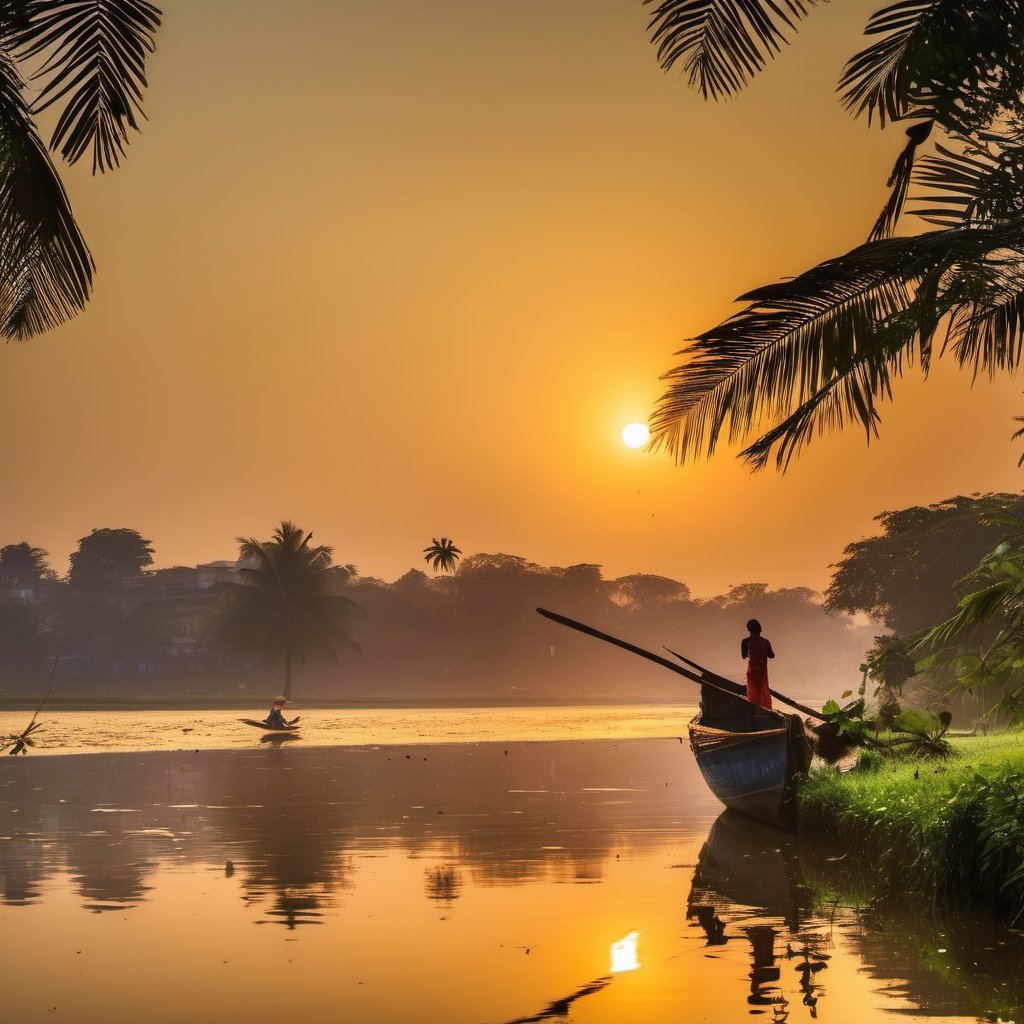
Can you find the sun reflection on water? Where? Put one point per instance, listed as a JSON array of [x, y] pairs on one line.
[[624, 956]]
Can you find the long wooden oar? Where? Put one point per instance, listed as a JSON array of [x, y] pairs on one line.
[[725, 686], [715, 683], [706, 673], [733, 689]]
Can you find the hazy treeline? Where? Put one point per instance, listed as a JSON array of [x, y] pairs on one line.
[[122, 628], [478, 632]]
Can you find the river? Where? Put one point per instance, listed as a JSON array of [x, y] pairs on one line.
[[558, 875]]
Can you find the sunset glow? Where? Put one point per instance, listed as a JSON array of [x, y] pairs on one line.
[[368, 296], [635, 435]]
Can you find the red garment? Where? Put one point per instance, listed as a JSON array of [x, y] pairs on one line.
[[757, 671]]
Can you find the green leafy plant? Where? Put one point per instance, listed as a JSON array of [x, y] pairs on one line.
[[849, 727], [845, 728], [982, 643], [921, 734]]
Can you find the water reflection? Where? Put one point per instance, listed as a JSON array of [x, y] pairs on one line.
[[499, 882], [624, 957], [444, 883], [761, 888], [559, 1008], [284, 821]]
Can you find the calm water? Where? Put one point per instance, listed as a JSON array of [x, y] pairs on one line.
[[73, 732], [585, 881]]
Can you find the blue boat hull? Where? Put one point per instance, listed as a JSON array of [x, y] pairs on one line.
[[749, 776], [751, 758]]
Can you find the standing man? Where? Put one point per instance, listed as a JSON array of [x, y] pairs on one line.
[[757, 650]]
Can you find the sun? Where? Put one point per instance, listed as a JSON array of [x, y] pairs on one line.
[[635, 435]]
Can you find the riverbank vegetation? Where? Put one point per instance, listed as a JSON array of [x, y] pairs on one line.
[[941, 832], [943, 580]]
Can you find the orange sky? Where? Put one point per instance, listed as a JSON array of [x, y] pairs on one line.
[[403, 270]]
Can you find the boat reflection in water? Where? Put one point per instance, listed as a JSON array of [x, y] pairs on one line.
[[745, 871], [751, 890]]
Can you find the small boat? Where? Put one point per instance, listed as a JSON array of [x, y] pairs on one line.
[[287, 727], [751, 758]]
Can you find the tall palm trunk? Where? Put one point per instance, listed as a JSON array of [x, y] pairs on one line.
[[288, 670], [287, 654]]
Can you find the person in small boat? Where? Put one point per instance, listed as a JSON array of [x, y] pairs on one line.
[[757, 650], [276, 719]]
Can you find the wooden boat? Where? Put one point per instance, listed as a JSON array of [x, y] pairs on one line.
[[257, 724], [751, 758]]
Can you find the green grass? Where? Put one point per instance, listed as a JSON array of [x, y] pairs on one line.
[[955, 833]]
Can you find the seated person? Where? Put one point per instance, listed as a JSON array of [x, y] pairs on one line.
[[276, 719]]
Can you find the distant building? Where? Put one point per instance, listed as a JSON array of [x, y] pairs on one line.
[[212, 573], [169, 614]]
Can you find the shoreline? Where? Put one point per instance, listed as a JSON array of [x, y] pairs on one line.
[[311, 748], [950, 833], [141, 729]]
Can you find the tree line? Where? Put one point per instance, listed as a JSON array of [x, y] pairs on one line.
[[286, 609], [931, 604]]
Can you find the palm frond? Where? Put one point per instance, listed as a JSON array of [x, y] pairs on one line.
[[45, 266], [1017, 435], [976, 186], [899, 182], [853, 394], [815, 351], [990, 336], [776, 354], [722, 44], [95, 66], [927, 59], [877, 79]]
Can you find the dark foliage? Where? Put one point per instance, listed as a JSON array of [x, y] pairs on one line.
[[107, 556], [93, 57], [22, 565], [907, 576]]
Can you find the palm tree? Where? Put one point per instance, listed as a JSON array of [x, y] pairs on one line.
[[817, 352], [90, 62], [286, 603], [442, 554]]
